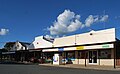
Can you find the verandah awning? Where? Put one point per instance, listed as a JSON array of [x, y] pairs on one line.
[[8, 52], [102, 46]]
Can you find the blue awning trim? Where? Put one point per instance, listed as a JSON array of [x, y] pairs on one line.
[[60, 49]]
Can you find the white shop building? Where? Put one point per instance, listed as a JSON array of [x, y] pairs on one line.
[[91, 48]]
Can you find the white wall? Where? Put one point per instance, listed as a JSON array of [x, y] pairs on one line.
[[105, 62], [102, 36], [81, 61], [17, 46], [64, 41], [40, 43]]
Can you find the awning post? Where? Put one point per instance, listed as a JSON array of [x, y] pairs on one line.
[[115, 55]]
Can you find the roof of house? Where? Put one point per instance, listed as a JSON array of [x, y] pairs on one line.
[[25, 44], [11, 44]]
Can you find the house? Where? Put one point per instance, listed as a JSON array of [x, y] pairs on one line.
[[16, 51], [16, 46]]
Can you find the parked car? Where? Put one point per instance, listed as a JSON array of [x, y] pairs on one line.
[[37, 60]]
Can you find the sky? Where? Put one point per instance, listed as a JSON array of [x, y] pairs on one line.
[[23, 20]]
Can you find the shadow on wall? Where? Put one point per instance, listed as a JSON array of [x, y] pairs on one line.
[[31, 46]]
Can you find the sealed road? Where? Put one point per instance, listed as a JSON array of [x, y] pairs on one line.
[[36, 69]]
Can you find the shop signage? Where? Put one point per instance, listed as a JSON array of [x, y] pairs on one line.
[[55, 58], [105, 46], [80, 47]]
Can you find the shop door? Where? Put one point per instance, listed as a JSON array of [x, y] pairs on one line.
[[92, 56]]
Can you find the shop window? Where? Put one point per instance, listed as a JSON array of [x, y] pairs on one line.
[[105, 54], [81, 54], [37, 43], [64, 55], [60, 53], [18, 46], [22, 48], [71, 55], [15, 48]]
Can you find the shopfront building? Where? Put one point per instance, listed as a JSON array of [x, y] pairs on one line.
[[92, 48]]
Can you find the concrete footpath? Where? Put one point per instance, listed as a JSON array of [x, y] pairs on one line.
[[92, 67]]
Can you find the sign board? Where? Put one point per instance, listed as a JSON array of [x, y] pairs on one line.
[[80, 47], [105, 46], [57, 59], [102, 46]]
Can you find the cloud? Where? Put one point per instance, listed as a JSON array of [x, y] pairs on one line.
[[65, 23], [3, 31], [68, 22], [93, 19], [90, 20], [104, 18], [74, 26], [117, 17]]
